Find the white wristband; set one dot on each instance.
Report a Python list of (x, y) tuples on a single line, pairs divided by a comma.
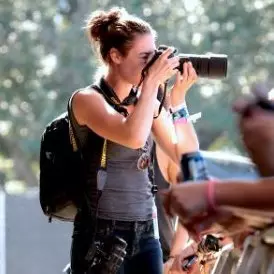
[(178, 107), (194, 117)]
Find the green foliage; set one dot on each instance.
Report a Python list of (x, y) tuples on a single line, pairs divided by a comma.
[(45, 56)]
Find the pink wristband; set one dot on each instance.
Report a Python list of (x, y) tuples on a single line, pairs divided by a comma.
[(182, 120), (210, 193)]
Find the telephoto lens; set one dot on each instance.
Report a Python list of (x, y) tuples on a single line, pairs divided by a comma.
[(212, 66)]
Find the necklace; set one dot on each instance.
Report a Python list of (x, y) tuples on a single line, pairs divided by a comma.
[(144, 159)]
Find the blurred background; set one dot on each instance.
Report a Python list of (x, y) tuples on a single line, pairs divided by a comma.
[(45, 56)]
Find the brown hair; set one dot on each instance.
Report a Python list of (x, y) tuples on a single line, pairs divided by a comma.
[(115, 28)]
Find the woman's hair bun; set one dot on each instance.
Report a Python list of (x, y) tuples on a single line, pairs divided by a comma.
[(99, 22)]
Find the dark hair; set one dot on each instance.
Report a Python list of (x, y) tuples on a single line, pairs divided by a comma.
[(115, 28)]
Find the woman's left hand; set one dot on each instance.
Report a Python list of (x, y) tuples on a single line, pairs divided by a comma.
[(183, 83)]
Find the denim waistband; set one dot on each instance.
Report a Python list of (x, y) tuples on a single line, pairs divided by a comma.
[(124, 225)]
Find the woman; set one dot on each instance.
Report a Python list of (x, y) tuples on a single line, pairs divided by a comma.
[(126, 207)]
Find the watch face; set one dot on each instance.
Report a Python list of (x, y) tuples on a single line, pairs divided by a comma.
[(143, 161)]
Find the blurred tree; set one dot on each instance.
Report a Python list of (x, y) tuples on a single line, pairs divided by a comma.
[(45, 56), (242, 30)]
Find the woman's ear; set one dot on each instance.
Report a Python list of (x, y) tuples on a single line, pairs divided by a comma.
[(115, 56)]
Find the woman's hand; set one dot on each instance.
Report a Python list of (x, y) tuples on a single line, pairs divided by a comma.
[(163, 68), (183, 83)]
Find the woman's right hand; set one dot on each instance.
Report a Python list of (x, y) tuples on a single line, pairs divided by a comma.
[(163, 68)]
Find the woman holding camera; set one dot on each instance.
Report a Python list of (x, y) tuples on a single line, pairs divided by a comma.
[(126, 207)]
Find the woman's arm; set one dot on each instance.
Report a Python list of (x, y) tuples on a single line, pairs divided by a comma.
[(167, 167), (179, 138), (174, 140), (91, 109), (169, 171)]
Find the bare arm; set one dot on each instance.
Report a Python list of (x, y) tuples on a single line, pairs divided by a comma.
[(169, 171), (180, 138), (174, 140), (179, 240), (257, 195), (167, 167), (91, 109), (188, 200)]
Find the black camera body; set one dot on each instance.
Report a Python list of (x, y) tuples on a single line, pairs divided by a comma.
[(207, 245), (106, 256), (207, 66)]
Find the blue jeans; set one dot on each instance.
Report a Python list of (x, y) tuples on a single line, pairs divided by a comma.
[(144, 254)]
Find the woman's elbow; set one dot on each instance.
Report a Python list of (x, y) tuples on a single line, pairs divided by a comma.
[(135, 140), (136, 143)]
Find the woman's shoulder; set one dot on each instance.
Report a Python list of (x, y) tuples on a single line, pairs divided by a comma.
[(88, 95), (85, 101), (88, 91)]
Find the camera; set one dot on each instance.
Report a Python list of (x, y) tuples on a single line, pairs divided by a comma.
[(207, 245), (206, 66), (106, 256)]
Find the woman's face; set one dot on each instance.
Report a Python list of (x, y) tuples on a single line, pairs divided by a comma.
[(131, 65)]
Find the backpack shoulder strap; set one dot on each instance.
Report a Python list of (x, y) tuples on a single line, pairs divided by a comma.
[(102, 88), (72, 132)]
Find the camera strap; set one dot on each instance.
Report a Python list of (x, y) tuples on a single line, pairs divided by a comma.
[(162, 100), (108, 92), (112, 99), (143, 75)]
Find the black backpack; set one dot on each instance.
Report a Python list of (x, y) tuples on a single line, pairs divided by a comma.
[(62, 170)]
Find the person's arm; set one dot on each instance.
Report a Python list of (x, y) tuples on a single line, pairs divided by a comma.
[(251, 195), (91, 109), (195, 199), (174, 146), (179, 138), (168, 168), (234, 200), (179, 241), (169, 171)]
